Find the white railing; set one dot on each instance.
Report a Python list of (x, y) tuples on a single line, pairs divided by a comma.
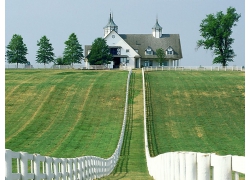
[(35, 166), (194, 68), (46, 66), (190, 165)]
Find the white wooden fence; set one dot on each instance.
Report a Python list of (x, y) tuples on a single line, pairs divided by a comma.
[(190, 165), (194, 68), (35, 166)]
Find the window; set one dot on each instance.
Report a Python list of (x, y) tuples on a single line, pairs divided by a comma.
[(113, 36), (113, 51), (127, 50), (148, 51), (148, 63), (170, 51)]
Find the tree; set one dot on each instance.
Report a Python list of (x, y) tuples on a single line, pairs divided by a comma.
[(16, 50), (73, 52), (216, 30), (45, 53), (61, 61), (100, 53), (161, 55)]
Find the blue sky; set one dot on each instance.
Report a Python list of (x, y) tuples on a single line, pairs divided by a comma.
[(57, 19)]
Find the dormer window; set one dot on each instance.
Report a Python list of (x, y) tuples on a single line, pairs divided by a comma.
[(169, 51), (149, 51)]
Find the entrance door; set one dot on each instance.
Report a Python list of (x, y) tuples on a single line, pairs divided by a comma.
[(117, 62), (136, 63)]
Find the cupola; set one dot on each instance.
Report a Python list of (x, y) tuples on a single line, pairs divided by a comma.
[(110, 26), (157, 30)]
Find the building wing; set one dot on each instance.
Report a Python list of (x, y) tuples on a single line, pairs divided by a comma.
[(140, 42)]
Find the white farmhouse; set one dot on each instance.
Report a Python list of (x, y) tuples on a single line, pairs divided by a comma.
[(139, 50)]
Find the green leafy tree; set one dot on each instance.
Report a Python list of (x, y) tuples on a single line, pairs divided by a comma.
[(61, 61), (216, 31), (45, 53), (161, 56), (100, 53), (73, 52), (16, 50)]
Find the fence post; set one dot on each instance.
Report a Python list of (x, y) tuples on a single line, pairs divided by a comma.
[(79, 167), (191, 165), (37, 159), (63, 168), (182, 166), (70, 168), (222, 167), (172, 166), (8, 164), (48, 167), (56, 168), (176, 165), (203, 166), (24, 165)]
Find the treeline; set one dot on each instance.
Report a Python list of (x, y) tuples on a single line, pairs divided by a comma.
[(17, 51)]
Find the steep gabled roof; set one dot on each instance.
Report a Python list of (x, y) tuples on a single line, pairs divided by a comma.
[(140, 42)]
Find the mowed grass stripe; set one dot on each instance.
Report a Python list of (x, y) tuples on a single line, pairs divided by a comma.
[(25, 102), (98, 132), (198, 111), (78, 116), (30, 138), (59, 115)]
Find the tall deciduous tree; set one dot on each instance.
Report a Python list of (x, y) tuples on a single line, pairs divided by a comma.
[(161, 56), (100, 53), (45, 53), (16, 50), (73, 51), (216, 31)]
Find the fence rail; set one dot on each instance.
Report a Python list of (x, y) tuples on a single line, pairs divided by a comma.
[(190, 165), (194, 68), (35, 166)]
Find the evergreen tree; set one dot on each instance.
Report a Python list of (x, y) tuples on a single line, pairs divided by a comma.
[(100, 53), (45, 53), (16, 50), (73, 52), (216, 30)]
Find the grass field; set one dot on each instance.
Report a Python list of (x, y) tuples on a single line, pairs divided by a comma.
[(196, 111), (67, 113), (72, 113)]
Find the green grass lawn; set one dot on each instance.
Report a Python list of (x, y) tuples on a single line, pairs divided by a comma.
[(64, 113), (196, 111), (72, 113)]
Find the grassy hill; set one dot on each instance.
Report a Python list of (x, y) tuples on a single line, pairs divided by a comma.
[(64, 113), (71, 113), (196, 111)]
